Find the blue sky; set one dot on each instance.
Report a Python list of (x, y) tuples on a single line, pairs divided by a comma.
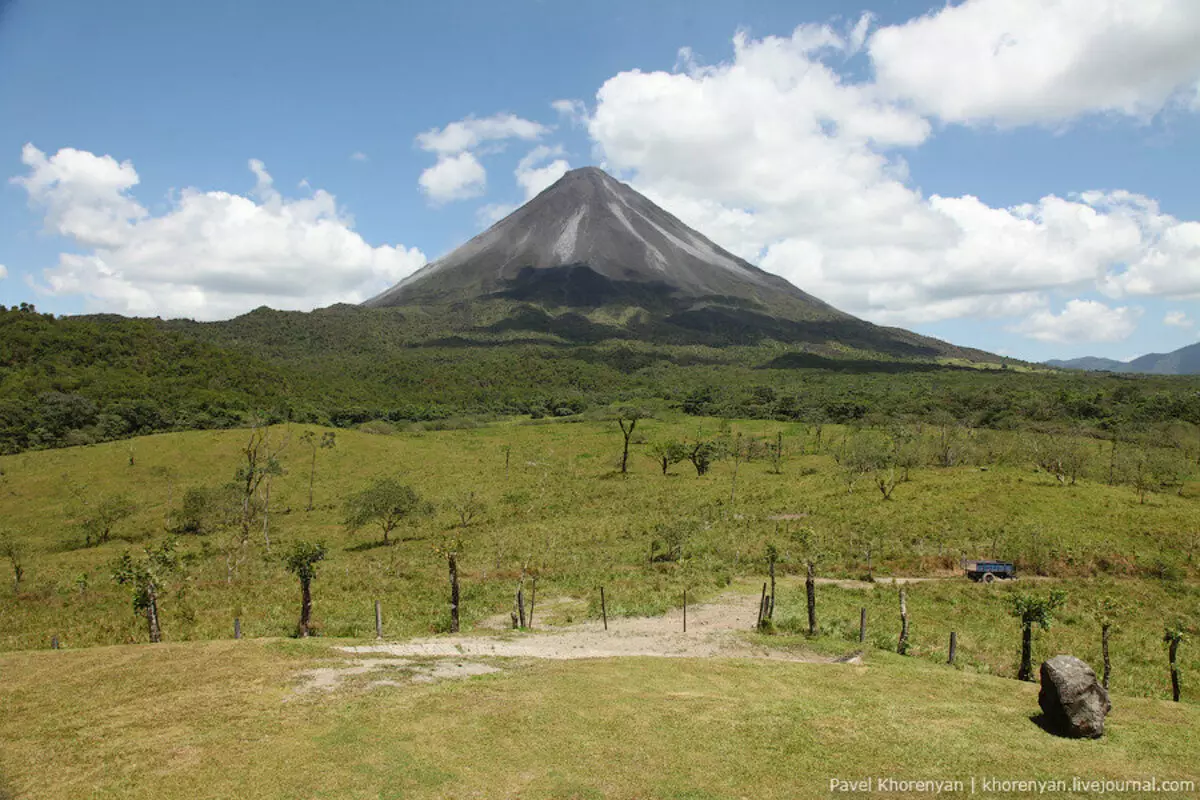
[(945, 169)]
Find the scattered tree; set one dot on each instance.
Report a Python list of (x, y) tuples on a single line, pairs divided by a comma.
[(627, 418), (467, 507), (450, 551), (1032, 610), (1106, 611), (902, 647), (261, 463), (702, 453), (385, 503), (1172, 636), (948, 444), (146, 576), (775, 449), (301, 560), (14, 552), (907, 451), (667, 453), (870, 455), (1146, 469), (1061, 456), (326, 441), (101, 519)]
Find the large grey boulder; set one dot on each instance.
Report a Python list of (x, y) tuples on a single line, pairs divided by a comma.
[(1073, 701)]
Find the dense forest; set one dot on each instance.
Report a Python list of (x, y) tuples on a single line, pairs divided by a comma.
[(78, 380)]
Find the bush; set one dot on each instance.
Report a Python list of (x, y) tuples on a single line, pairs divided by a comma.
[(377, 427)]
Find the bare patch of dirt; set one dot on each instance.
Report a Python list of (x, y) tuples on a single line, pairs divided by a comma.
[(400, 672), (713, 631)]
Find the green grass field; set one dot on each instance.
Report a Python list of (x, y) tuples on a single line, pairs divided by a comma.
[(224, 719), (561, 509), (203, 716)]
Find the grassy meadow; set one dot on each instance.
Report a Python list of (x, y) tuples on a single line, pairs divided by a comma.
[(226, 719), (560, 510)]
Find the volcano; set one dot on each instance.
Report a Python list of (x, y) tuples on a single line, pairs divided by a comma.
[(589, 244)]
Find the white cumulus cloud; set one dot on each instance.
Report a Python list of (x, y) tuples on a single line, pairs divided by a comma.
[(1081, 321), (1032, 61), (458, 174), (469, 133), (358, 155), (1177, 319), (781, 158), (211, 255), (533, 175), (3, 272), (456, 177)]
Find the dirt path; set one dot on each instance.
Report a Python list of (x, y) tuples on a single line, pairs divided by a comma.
[(713, 631)]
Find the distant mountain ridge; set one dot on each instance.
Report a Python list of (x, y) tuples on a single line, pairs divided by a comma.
[(1184, 361), (590, 257)]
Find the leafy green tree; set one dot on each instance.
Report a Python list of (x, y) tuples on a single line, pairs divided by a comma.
[(667, 453), (1032, 610), (387, 502), (702, 453), (101, 518), (301, 560), (146, 576)]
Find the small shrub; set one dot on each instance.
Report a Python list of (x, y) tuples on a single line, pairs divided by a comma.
[(377, 427)]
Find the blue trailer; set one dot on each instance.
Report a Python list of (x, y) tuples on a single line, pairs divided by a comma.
[(989, 571)]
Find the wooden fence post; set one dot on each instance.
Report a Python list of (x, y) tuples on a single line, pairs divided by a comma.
[(237, 627), (532, 600), (902, 646), (810, 592), (862, 625), (1173, 655), (603, 608), (953, 647), (685, 610), (762, 607), (378, 620), (53, 642)]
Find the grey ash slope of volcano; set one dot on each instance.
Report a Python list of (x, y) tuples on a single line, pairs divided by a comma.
[(589, 251)]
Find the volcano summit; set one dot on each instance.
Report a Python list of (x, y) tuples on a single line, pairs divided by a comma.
[(589, 243)]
